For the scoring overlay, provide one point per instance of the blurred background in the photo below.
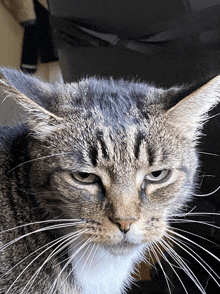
(20, 43)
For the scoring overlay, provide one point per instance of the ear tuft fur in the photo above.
(191, 113)
(26, 91)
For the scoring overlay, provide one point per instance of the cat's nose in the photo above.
(124, 225)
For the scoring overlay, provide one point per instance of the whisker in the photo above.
(208, 194)
(98, 261)
(87, 258)
(193, 254)
(207, 282)
(28, 256)
(148, 260)
(88, 242)
(196, 213)
(161, 266)
(37, 231)
(198, 236)
(207, 153)
(171, 266)
(214, 115)
(54, 242)
(93, 256)
(194, 221)
(194, 243)
(66, 241)
(55, 281)
(84, 253)
(70, 261)
(211, 176)
(39, 158)
(42, 222)
(183, 265)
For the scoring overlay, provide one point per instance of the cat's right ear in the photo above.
(30, 93)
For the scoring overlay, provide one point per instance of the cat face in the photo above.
(118, 156)
(117, 179)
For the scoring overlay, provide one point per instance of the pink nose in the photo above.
(124, 226)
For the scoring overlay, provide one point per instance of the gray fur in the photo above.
(120, 131)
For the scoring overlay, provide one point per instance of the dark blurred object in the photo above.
(180, 37)
(37, 42)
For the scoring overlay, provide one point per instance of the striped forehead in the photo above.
(128, 147)
(120, 138)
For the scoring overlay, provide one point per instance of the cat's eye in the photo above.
(85, 177)
(158, 175)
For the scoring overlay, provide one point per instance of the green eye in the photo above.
(85, 177)
(158, 176)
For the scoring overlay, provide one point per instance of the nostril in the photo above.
(124, 225)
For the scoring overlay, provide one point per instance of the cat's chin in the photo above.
(122, 248)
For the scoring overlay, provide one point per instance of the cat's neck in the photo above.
(98, 271)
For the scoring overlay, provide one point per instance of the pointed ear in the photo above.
(190, 113)
(31, 94)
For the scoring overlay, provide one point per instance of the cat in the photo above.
(92, 178)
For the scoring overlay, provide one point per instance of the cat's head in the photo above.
(120, 156)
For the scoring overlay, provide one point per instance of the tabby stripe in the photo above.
(93, 155)
(151, 155)
(103, 145)
(138, 140)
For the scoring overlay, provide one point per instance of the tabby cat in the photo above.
(92, 179)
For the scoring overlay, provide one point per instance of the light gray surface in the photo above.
(10, 112)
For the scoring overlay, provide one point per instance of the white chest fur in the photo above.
(98, 271)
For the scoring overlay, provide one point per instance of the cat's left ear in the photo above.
(190, 113)
(34, 96)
